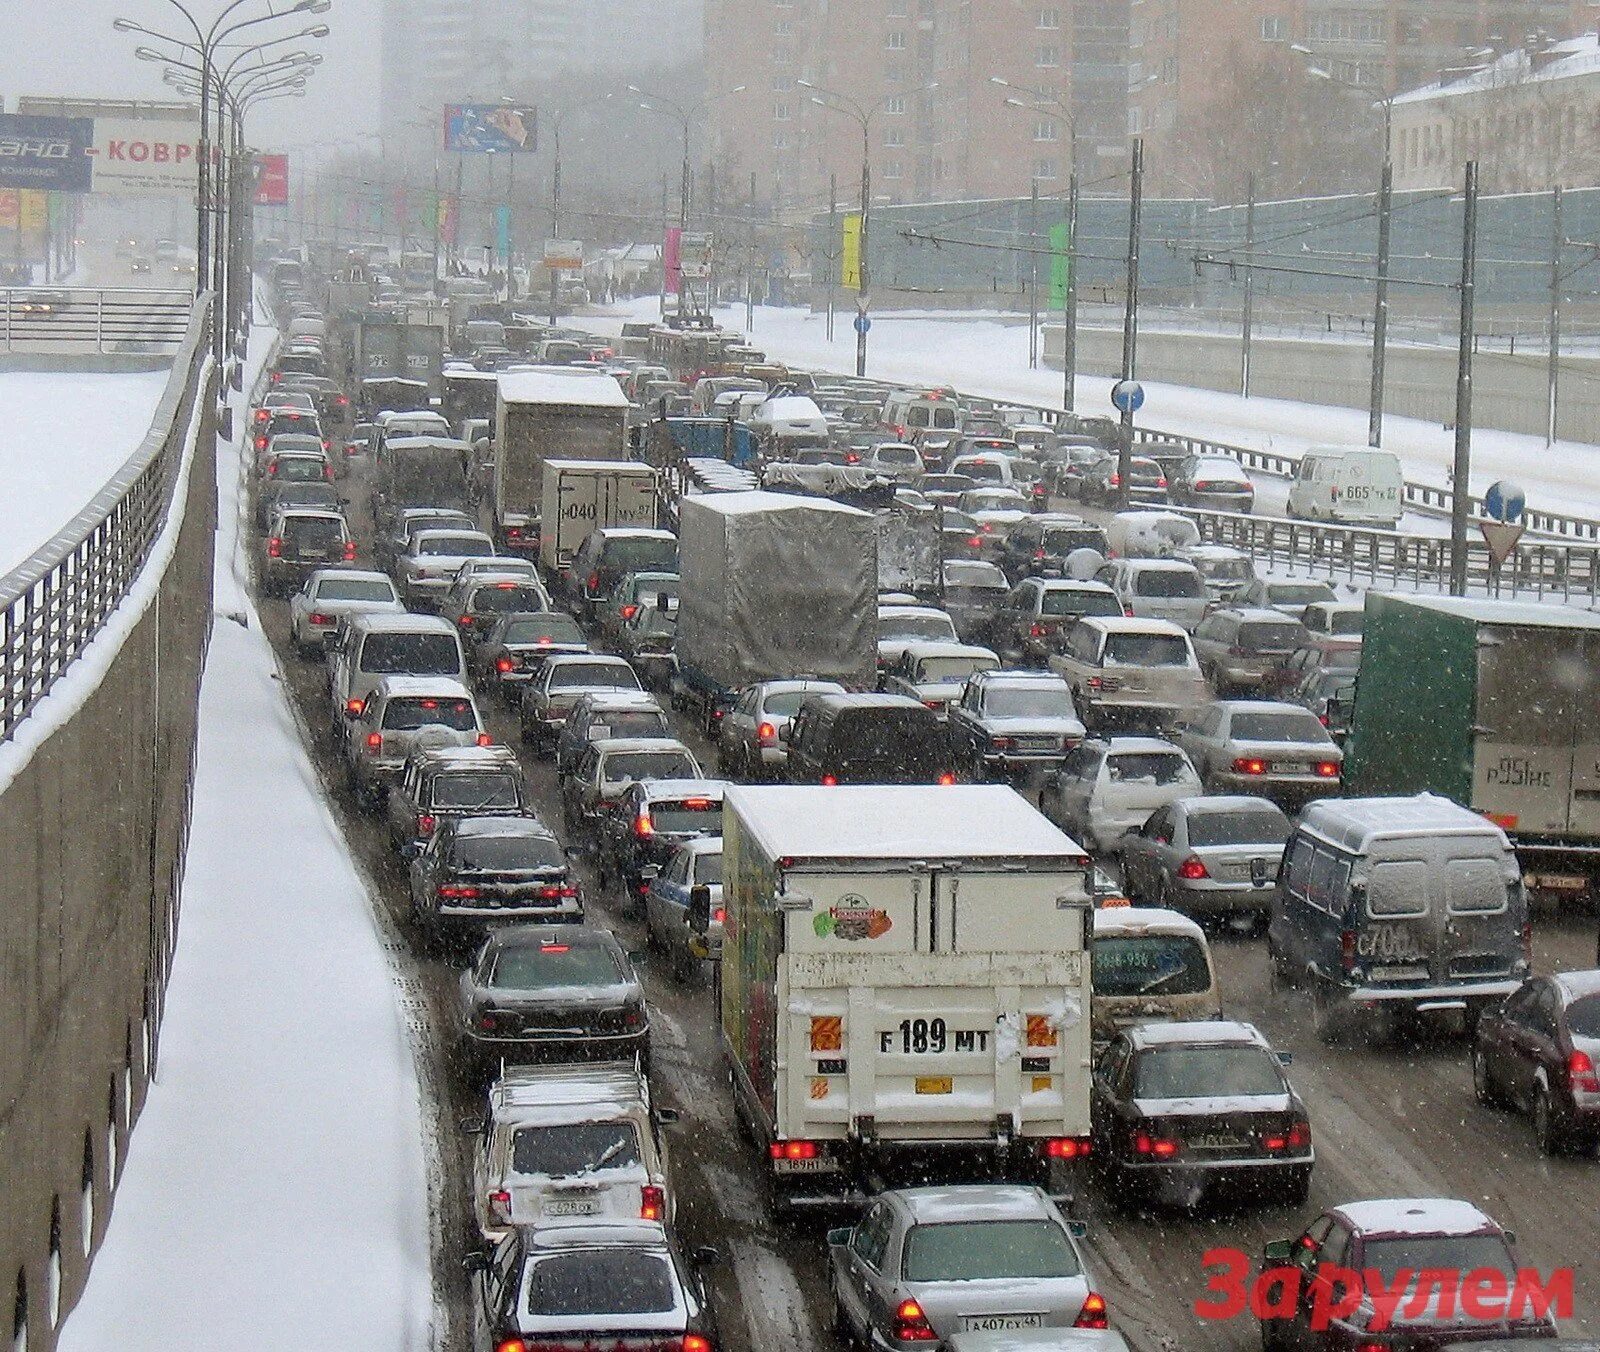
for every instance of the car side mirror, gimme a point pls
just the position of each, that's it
(650, 872)
(1278, 1251)
(638, 956)
(1510, 1236)
(472, 1126)
(705, 1255)
(1078, 1229)
(475, 1260)
(410, 850)
(1285, 1058)
(699, 908)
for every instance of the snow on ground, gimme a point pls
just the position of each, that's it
(62, 435)
(274, 1194)
(989, 358)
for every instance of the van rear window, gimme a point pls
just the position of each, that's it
(411, 655)
(1147, 650)
(888, 745)
(1150, 964)
(1397, 888)
(1173, 582)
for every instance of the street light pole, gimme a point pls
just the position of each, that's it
(1461, 470)
(1130, 320)
(864, 292)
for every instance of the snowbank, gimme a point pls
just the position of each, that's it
(274, 1194)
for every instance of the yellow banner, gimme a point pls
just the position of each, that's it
(34, 210)
(850, 253)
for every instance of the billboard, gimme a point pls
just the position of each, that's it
(491, 128)
(144, 157)
(563, 253)
(850, 264)
(694, 256)
(45, 152)
(271, 175)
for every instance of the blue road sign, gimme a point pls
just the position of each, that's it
(1505, 501)
(862, 324)
(1127, 396)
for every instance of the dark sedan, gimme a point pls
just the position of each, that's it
(512, 653)
(1538, 1053)
(551, 993)
(481, 871)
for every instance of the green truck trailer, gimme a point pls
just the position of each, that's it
(1495, 705)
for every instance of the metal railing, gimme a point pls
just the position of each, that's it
(58, 599)
(64, 320)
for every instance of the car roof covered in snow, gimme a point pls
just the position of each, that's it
(1415, 1216)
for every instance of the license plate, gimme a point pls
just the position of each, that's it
(985, 1323)
(1036, 743)
(1287, 767)
(811, 1166)
(1215, 1140)
(935, 1084)
(314, 553)
(572, 1206)
(1556, 882)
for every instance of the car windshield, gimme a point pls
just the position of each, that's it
(1267, 637)
(410, 713)
(1070, 601)
(1145, 964)
(605, 675)
(1161, 768)
(1257, 826)
(540, 966)
(355, 589)
(1583, 1016)
(457, 546)
(504, 597)
(1395, 1254)
(1206, 1072)
(550, 629)
(1017, 701)
(985, 471)
(411, 654)
(914, 626)
(475, 791)
(522, 853)
(976, 1251)
(642, 554)
(1298, 593)
(1286, 725)
(631, 766)
(1180, 583)
(570, 1148)
(1147, 650)
(602, 1282)
(703, 815)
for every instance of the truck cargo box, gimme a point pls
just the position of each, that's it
(583, 496)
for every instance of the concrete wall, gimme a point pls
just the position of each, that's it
(1509, 393)
(93, 831)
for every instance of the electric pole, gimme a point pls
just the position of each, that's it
(1460, 486)
(1130, 319)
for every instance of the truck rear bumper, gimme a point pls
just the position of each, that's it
(1456, 995)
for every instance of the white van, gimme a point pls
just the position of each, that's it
(908, 415)
(1159, 589)
(368, 646)
(1149, 535)
(1350, 486)
(788, 422)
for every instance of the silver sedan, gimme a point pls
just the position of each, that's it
(1277, 750)
(1207, 856)
(925, 1264)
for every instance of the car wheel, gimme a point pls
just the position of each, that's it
(1546, 1128)
(1483, 1087)
(843, 1329)
(1280, 977)
(1327, 1014)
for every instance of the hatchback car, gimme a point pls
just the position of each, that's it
(475, 604)
(560, 683)
(550, 993)
(867, 739)
(1107, 788)
(924, 1264)
(328, 594)
(1261, 746)
(1207, 856)
(647, 641)
(750, 735)
(1101, 482)
(475, 872)
(1181, 1108)
(634, 592)
(1538, 1053)
(603, 714)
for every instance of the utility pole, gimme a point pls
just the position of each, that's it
(750, 260)
(438, 214)
(863, 292)
(555, 214)
(1130, 319)
(664, 249)
(1460, 489)
(830, 254)
(1553, 357)
(1380, 311)
(1069, 302)
(1033, 276)
(1247, 323)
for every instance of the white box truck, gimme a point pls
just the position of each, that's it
(904, 986)
(582, 496)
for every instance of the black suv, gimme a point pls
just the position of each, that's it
(609, 555)
(868, 739)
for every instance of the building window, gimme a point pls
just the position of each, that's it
(1044, 169)
(1047, 56)
(785, 28)
(1347, 27)
(780, 140)
(780, 111)
(1274, 28)
(896, 40)
(894, 107)
(782, 84)
(1169, 70)
(893, 169)
(1044, 130)
(894, 72)
(893, 136)
(1050, 18)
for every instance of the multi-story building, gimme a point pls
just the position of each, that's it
(916, 79)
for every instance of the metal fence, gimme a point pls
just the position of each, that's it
(58, 599)
(98, 320)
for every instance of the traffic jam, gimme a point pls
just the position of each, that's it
(868, 877)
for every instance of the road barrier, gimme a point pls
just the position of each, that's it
(101, 320)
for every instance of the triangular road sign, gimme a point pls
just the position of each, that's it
(1501, 537)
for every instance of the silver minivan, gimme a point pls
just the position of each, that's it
(1397, 906)
(1159, 589)
(367, 646)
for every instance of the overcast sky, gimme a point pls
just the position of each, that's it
(67, 47)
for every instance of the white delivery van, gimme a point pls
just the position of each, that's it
(904, 980)
(786, 422)
(583, 496)
(910, 414)
(1149, 535)
(1348, 486)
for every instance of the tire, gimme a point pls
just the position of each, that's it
(1483, 1086)
(1280, 977)
(1547, 1130)
(1326, 1015)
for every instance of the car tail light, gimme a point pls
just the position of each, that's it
(720, 914)
(456, 892)
(830, 780)
(643, 826)
(556, 891)
(1193, 868)
(1161, 482)
(1095, 683)
(262, 414)
(1327, 769)
(1116, 481)
(1157, 1147)
(652, 1203)
(343, 401)
(947, 779)
(1300, 1135)
(933, 704)
(317, 617)
(1093, 1313)
(910, 1325)
(349, 551)
(695, 1342)
(353, 706)
(717, 715)
(1127, 612)
(793, 1150)
(1066, 1147)
(629, 611)
(465, 622)
(987, 527)
(1035, 631)
(976, 541)
(1249, 765)
(1347, 949)
(484, 739)
(261, 443)
(513, 532)
(504, 664)
(511, 1345)
(593, 583)
(374, 742)
(426, 823)
(500, 1207)
(1581, 1073)
(1003, 743)
(1323, 718)
(275, 547)
(327, 471)
(851, 458)
(766, 734)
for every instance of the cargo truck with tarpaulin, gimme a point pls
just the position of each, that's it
(548, 413)
(1496, 706)
(773, 585)
(904, 987)
(383, 349)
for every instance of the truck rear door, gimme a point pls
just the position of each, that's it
(1534, 698)
(1578, 672)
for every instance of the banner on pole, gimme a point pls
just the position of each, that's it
(271, 174)
(850, 253)
(1060, 263)
(670, 256)
(491, 128)
(45, 152)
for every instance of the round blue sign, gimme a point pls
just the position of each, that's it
(862, 324)
(1504, 501)
(1127, 396)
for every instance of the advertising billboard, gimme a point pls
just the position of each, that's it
(491, 128)
(144, 157)
(694, 256)
(563, 253)
(45, 152)
(271, 180)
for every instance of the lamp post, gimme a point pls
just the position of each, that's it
(842, 103)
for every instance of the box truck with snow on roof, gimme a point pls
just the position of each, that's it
(904, 987)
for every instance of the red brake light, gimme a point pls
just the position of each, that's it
(511, 1345)
(1093, 1313)
(720, 914)
(374, 741)
(1035, 631)
(766, 734)
(1193, 868)
(695, 1342)
(349, 551)
(1581, 1073)
(1300, 1136)
(643, 826)
(513, 532)
(1249, 765)
(275, 547)
(629, 611)
(594, 581)
(793, 1150)
(453, 892)
(1066, 1147)
(652, 1203)
(500, 1206)
(1116, 480)
(465, 622)
(263, 414)
(1327, 769)
(976, 541)
(485, 740)
(829, 780)
(261, 443)
(425, 824)
(947, 779)
(317, 617)
(911, 1325)
(1161, 482)
(504, 664)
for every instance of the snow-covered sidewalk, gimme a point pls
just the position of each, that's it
(274, 1194)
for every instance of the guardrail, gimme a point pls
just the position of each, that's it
(59, 320)
(56, 600)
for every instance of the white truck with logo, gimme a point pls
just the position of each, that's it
(904, 979)
(583, 496)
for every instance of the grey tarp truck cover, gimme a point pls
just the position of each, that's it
(777, 585)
